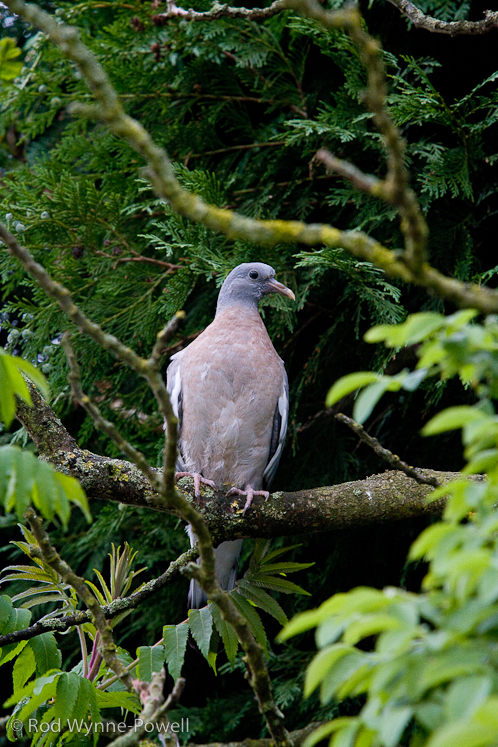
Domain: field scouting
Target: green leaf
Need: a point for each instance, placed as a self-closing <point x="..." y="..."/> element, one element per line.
<point x="24" y="479"/>
<point x="261" y="599"/>
<point x="415" y="329"/>
<point x="121" y="699"/>
<point x="201" y="627"/>
<point x="464" y="696"/>
<point x="333" y="726"/>
<point x="66" y="696"/>
<point x="321" y="664"/>
<point x="150" y="660"/>
<point x="280" y="584"/>
<point x="452" y="418"/>
<point x="252" y="617"/>
<point x="74" y="493"/>
<point x="227" y="633"/>
<point x="301" y="623"/>
<point x="175" y="641"/>
<point x="9" y="67"/>
<point x="368" y="399"/>
<point x="24" y="667"/>
<point x="348" y="384"/>
<point x="284" y="568"/>
<point x="12" y="367"/>
<point x="46" y="652"/>
<point x="5" y="610"/>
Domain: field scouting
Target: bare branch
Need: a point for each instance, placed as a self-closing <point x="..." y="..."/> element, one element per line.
<point x="218" y="11"/>
<point x="422" y="21"/>
<point x="392" y="459"/>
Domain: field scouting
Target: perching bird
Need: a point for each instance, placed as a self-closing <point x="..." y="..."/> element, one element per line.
<point x="229" y="392"/>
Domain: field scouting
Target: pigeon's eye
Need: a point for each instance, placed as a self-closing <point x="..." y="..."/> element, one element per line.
<point x="254" y="275"/>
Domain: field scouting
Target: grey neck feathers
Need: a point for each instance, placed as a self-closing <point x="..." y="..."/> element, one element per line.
<point x="230" y="298"/>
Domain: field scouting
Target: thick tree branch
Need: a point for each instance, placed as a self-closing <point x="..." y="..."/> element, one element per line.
<point x="389" y="496"/>
<point x="422" y="21"/>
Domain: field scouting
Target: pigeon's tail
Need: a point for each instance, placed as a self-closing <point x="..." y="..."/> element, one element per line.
<point x="226" y="558"/>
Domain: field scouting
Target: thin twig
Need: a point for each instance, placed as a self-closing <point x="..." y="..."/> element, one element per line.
<point x="106" y="426"/>
<point x="139" y="258"/>
<point x="392" y="459"/>
<point x="116" y="607"/>
<point x="422" y="21"/>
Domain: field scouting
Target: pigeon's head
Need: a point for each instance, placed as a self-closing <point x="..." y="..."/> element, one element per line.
<point x="248" y="283"/>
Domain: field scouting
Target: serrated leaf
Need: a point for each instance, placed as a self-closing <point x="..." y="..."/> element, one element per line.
<point x="279" y="584"/>
<point x="227" y="633"/>
<point x="263" y="600"/>
<point x="46" y="652"/>
<point x="122" y="699"/>
<point x="5" y="610"/>
<point x="285" y="567"/>
<point x="10" y="651"/>
<point x="12" y="382"/>
<point x="66" y="696"/>
<point x="175" y="641"/>
<point x="24" y="667"/>
<point x="24" y="479"/>
<point x="252" y="617"/>
<point x="150" y="660"/>
<point x="348" y="384"/>
<point x="201" y="627"/>
<point x="279" y="551"/>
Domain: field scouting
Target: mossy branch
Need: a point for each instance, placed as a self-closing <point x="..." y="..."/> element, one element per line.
<point x="454" y="28"/>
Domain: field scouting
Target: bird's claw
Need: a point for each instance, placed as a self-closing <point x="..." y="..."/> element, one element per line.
<point x="198" y="479"/>
<point x="250" y="493"/>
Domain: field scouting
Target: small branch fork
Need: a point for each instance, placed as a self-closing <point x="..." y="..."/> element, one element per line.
<point x="453" y="28"/>
<point x="388" y="456"/>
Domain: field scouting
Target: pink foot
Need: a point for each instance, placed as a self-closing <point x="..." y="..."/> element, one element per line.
<point x="197" y="478"/>
<point x="250" y="493"/>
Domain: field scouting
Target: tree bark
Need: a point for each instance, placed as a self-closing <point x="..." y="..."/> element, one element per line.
<point x="388" y="496"/>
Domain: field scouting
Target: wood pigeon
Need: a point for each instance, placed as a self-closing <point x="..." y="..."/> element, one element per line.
<point x="230" y="394"/>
